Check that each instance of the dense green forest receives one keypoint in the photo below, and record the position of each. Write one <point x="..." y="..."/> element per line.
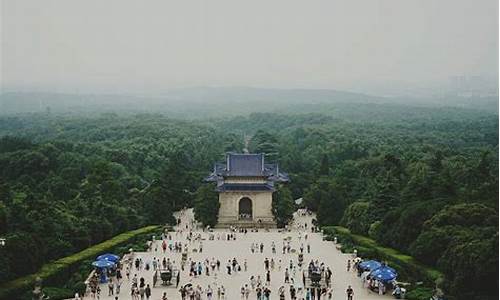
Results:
<point x="422" y="180"/>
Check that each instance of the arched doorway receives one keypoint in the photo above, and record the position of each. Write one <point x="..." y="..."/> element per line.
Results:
<point x="245" y="209"/>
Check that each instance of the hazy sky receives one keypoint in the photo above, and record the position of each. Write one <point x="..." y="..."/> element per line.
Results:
<point x="151" y="45"/>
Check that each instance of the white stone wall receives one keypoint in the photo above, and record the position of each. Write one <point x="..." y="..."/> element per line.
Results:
<point x="261" y="206"/>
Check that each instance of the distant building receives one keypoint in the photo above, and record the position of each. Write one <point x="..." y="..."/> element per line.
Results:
<point x="245" y="184"/>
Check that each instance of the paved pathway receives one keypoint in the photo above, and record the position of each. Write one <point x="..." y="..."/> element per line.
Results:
<point x="224" y="250"/>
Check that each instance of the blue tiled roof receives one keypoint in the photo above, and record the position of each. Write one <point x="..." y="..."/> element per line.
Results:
<point x="245" y="164"/>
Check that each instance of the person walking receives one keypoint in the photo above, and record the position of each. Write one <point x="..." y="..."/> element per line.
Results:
<point x="147" y="291"/>
<point x="258" y="292"/>
<point x="381" y="288"/>
<point x="281" y="292"/>
<point x="111" y="287"/>
<point x="267" y="293"/>
<point x="308" y="294"/>
<point x="330" y="293"/>
<point x="222" y="292"/>
<point x="293" y="293"/>
<point x="350" y="293"/>
<point x="209" y="292"/>
<point x="252" y="282"/>
<point x="142" y="291"/>
<point x="247" y="291"/>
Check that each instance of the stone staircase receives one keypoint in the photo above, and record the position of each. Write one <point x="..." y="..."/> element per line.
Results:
<point x="247" y="224"/>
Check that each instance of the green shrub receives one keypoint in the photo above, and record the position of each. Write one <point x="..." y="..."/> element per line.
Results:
<point x="58" y="293"/>
<point x="419" y="293"/>
<point x="80" y="287"/>
<point x="54" y="293"/>
<point x="407" y="267"/>
<point x="61" y="270"/>
<point x="366" y="251"/>
<point x="344" y="239"/>
<point x="374" y="230"/>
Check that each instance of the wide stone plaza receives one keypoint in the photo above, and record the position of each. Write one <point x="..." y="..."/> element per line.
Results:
<point x="224" y="250"/>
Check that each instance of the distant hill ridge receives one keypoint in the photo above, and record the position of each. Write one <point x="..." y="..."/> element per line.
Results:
<point x="203" y="102"/>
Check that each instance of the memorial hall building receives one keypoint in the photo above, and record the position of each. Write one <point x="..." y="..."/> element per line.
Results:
<point x="245" y="184"/>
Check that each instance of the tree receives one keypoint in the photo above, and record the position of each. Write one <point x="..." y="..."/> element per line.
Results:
<point x="206" y="205"/>
<point x="405" y="174"/>
<point x="158" y="206"/>
<point x="265" y="142"/>
<point x="330" y="209"/>
<point x="462" y="240"/>
<point x="402" y="225"/>
<point x="282" y="205"/>
<point x="357" y="217"/>
<point x="324" y="167"/>
<point x="472" y="268"/>
<point x="168" y="193"/>
<point x="23" y="253"/>
<point x="3" y="218"/>
<point x="323" y="198"/>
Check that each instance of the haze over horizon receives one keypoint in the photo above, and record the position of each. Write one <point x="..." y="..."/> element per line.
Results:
<point x="379" y="47"/>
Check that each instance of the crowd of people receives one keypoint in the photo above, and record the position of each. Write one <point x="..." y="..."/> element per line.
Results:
<point x="283" y="272"/>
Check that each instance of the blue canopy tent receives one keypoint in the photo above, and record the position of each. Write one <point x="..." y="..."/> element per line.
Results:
<point x="370" y="265"/>
<point x="109" y="257"/>
<point x="103" y="265"/>
<point x="384" y="274"/>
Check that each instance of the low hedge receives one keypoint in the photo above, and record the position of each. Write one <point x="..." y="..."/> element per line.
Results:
<point x="61" y="269"/>
<point x="406" y="265"/>
<point x="58" y="293"/>
<point x="419" y="293"/>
